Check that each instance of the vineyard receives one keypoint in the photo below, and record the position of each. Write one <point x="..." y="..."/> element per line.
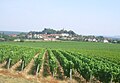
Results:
<point x="60" y="64"/>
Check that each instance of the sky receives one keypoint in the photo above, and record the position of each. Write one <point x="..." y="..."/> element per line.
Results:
<point x="85" y="17"/>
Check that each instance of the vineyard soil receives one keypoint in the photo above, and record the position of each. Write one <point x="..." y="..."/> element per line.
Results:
<point x="9" y="77"/>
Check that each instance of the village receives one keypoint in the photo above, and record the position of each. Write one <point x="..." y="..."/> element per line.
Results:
<point x="64" y="36"/>
<point x="54" y="35"/>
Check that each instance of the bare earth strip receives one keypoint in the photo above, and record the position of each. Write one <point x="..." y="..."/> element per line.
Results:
<point x="15" y="65"/>
<point x="3" y="64"/>
<point x="8" y="79"/>
<point x="78" y="77"/>
<point x="15" y="76"/>
<point x="46" y="66"/>
<point x="60" y="70"/>
<point x="41" y="69"/>
<point x="29" y="66"/>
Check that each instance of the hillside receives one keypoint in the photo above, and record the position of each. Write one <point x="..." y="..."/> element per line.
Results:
<point x="11" y="32"/>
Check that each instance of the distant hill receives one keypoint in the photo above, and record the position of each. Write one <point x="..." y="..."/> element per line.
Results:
<point x="114" y="37"/>
<point x="52" y="31"/>
<point x="118" y="37"/>
<point x="11" y="32"/>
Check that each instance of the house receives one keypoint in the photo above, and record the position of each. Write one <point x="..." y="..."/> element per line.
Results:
<point x="72" y="38"/>
<point x="90" y="40"/>
<point x="37" y="36"/>
<point x="105" y="41"/>
<point x="57" y="37"/>
<point x="13" y="35"/>
<point x="49" y="39"/>
<point x="2" y="39"/>
<point x="94" y="40"/>
<point x="64" y="34"/>
<point x="17" y="40"/>
<point x="29" y="36"/>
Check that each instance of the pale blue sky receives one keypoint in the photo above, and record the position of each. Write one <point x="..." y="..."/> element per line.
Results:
<point x="86" y="17"/>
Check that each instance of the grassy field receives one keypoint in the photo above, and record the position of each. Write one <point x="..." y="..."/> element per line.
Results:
<point x="104" y="50"/>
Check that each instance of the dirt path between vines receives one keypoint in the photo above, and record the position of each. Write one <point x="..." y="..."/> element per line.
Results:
<point x="15" y="65"/>
<point x="60" y="70"/>
<point x="46" y="67"/>
<point x="29" y="66"/>
<point x="41" y="69"/>
<point x="78" y="77"/>
<point x="3" y="64"/>
<point x="9" y="79"/>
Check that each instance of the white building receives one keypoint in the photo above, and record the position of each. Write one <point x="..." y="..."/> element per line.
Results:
<point x="105" y="41"/>
<point x="29" y="35"/>
<point x="17" y="40"/>
<point x="64" y="34"/>
<point x="94" y="40"/>
<point x="57" y="37"/>
<point x="90" y="40"/>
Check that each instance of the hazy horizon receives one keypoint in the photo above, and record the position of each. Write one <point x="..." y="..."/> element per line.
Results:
<point x="88" y="17"/>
